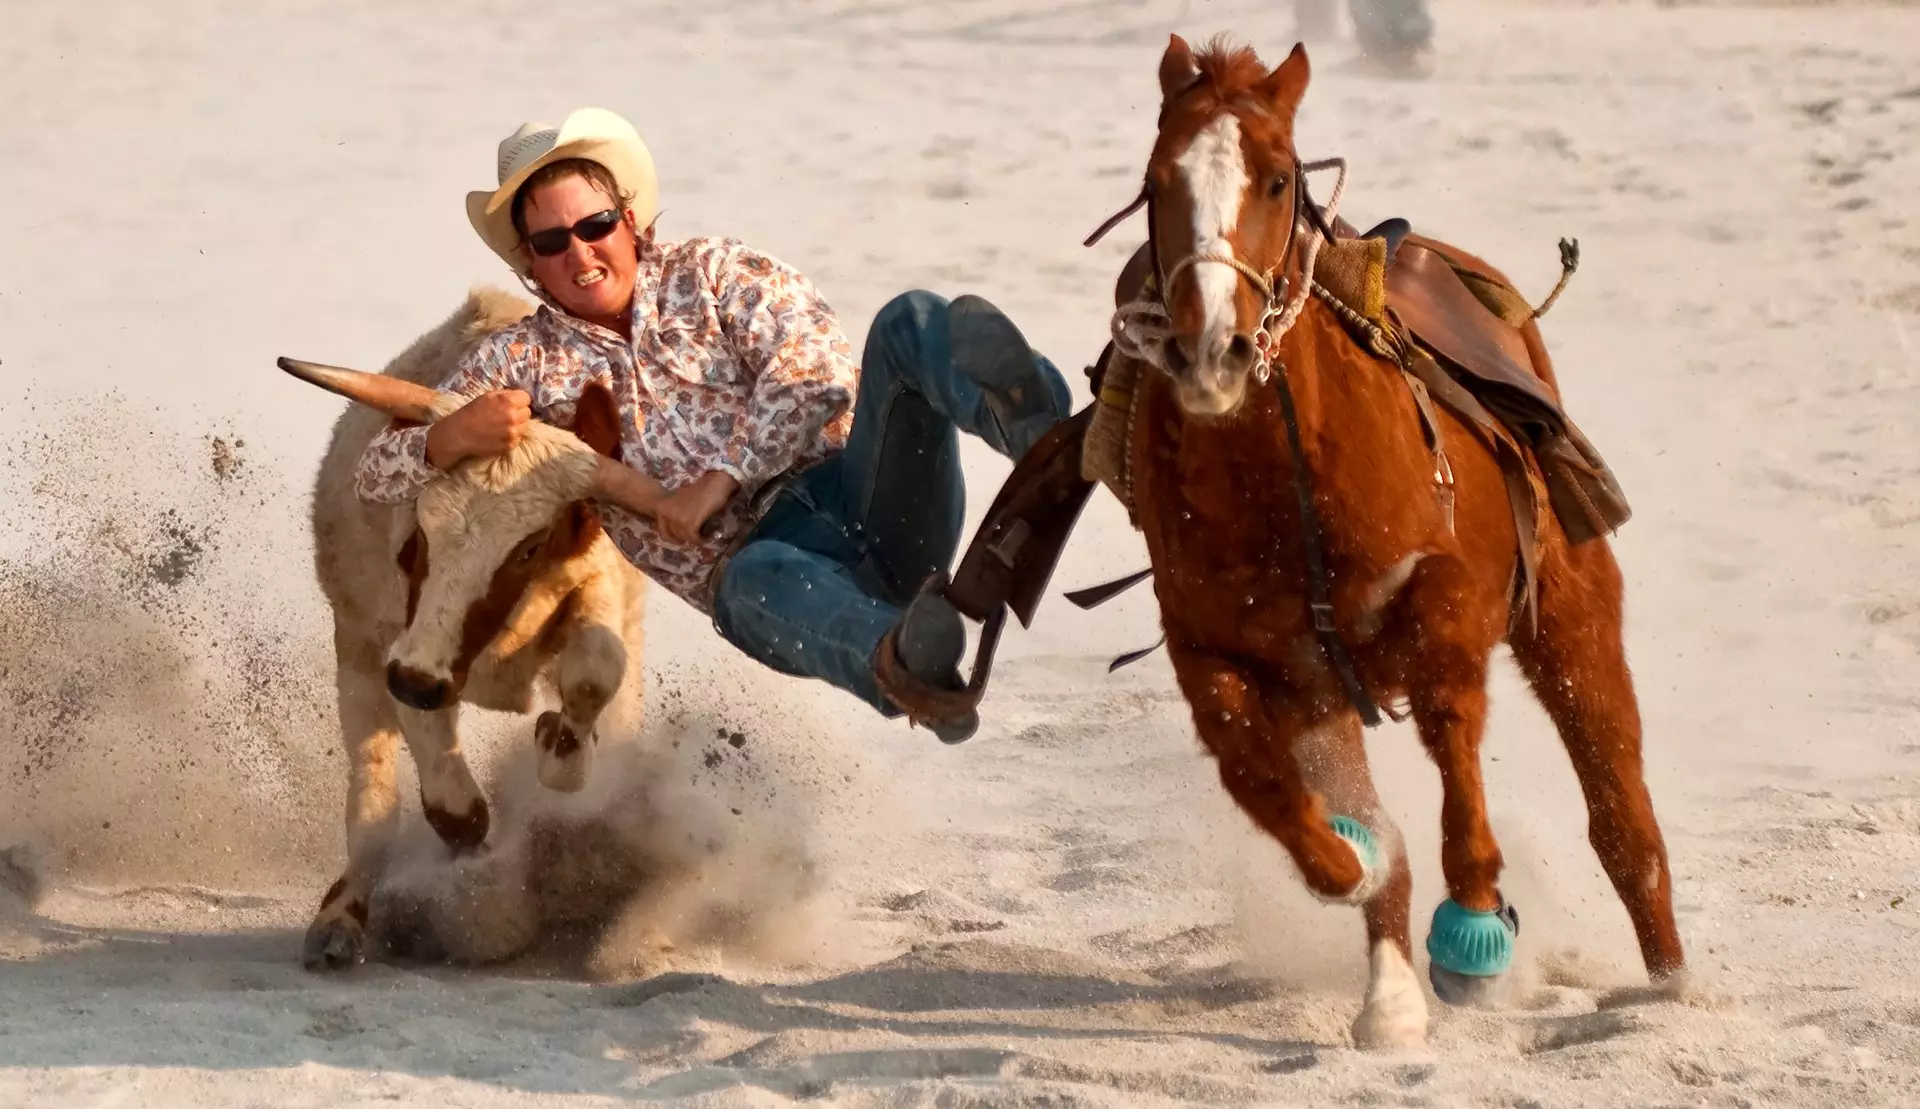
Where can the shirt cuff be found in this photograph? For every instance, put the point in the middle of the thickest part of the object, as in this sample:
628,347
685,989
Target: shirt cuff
398,470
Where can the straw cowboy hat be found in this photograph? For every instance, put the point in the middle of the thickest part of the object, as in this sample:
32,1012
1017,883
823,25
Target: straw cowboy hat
592,133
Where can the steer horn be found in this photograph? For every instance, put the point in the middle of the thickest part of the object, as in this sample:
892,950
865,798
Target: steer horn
400,399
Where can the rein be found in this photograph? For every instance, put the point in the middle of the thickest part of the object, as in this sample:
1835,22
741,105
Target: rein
1140,330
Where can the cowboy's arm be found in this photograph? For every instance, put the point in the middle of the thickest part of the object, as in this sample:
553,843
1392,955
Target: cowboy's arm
399,463
804,375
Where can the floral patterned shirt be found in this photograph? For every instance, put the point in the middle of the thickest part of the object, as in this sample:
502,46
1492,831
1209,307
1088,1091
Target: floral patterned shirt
736,364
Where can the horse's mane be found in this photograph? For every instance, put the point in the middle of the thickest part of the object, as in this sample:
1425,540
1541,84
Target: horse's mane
1228,68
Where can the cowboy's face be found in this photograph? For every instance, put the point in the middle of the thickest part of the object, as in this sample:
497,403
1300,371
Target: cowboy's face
591,280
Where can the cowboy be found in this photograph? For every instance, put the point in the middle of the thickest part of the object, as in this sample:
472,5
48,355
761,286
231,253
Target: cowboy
798,499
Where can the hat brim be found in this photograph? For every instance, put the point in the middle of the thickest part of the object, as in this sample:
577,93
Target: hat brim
491,211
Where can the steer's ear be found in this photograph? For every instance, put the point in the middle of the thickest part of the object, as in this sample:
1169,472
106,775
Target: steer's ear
579,525
596,420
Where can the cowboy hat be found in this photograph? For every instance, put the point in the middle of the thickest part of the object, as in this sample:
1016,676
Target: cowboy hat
592,133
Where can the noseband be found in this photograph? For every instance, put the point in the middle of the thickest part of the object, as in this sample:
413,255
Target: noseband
1141,327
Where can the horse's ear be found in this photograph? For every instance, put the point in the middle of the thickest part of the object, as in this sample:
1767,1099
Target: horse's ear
596,420
1177,70
1288,82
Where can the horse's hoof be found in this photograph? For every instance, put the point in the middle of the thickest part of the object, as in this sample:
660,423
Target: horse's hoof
1390,1028
1366,848
1471,952
1466,991
334,944
1395,1015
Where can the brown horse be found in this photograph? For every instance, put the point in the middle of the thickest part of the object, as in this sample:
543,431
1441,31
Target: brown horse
1420,598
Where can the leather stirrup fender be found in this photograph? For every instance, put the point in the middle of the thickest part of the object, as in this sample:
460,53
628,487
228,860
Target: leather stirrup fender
1013,553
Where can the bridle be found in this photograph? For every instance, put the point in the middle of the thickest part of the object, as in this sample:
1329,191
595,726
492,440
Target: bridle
1141,327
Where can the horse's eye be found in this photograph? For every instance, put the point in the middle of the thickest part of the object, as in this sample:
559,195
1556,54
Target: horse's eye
527,552
1277,188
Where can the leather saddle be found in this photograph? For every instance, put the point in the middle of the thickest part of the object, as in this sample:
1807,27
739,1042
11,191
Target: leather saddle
1487,359
1012,556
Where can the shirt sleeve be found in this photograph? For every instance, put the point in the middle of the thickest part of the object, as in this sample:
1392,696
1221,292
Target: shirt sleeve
394,468
791,341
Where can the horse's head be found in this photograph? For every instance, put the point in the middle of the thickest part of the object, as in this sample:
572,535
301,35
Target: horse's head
499,544
1225,209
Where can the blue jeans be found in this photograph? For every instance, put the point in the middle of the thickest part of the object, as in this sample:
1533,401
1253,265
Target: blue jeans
843,548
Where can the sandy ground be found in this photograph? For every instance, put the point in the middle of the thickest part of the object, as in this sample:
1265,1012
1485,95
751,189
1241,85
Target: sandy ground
1065,910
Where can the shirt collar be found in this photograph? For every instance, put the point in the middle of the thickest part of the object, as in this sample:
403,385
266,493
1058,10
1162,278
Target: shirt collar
647,279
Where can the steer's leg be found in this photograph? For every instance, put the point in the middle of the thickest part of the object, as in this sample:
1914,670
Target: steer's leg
590,668
449,797
369,729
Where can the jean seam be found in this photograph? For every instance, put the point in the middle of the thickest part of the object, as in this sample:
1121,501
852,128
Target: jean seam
865,508
786,623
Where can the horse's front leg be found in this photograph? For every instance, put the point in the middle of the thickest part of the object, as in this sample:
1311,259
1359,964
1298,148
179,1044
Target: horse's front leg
1333,759
1262,742
1471,941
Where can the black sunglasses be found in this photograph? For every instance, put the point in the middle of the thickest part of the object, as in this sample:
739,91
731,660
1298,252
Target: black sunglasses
555,240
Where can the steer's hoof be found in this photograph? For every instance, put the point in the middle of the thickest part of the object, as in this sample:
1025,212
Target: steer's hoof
463,833
334,943
1470,953
565,756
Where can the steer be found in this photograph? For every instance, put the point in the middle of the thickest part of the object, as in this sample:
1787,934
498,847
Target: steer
499,582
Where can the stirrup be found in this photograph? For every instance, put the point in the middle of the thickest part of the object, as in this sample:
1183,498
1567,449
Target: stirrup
942,709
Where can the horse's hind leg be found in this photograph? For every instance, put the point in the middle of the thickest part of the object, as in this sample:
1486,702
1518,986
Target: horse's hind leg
1577,667
1333,760
1262,744
337,937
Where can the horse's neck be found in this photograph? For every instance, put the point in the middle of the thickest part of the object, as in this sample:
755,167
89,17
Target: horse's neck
1340,395
1339,390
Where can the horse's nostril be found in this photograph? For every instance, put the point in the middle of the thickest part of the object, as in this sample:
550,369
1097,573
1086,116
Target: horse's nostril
417,690
1178,356
1240,350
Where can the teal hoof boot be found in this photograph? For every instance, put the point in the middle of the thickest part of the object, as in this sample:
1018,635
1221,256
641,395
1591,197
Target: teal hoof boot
1470,953
1367,849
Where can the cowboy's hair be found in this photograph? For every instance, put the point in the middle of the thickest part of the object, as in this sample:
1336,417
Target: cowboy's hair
597,175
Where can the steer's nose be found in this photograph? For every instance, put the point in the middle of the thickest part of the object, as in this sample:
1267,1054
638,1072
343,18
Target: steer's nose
412,688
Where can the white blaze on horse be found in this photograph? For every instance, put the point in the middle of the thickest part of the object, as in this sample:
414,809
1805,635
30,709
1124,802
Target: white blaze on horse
499,584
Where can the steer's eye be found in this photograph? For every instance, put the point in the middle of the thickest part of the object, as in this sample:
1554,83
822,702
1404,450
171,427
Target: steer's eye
527,552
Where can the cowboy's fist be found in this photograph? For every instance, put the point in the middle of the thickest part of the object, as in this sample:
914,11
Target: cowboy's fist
489,424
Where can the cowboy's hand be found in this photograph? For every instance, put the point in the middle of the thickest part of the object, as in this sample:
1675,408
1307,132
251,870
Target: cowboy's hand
491,423
686,511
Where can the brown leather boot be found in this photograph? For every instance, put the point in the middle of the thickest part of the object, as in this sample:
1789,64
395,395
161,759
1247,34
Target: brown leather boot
917,665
